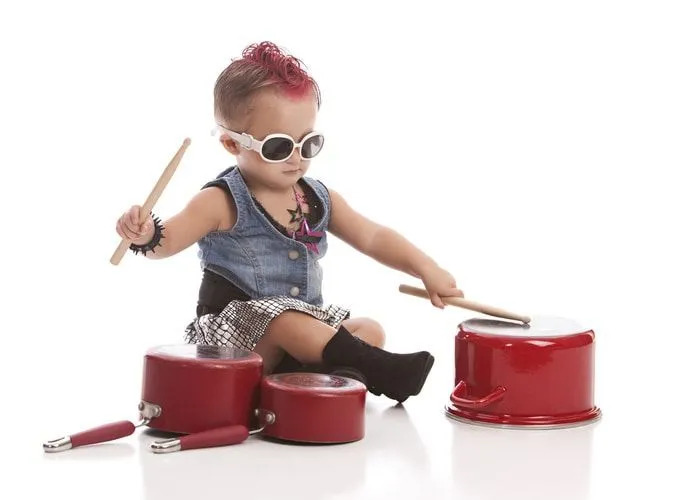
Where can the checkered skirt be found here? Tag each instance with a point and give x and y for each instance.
(243, 323)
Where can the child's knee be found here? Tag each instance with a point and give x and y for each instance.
(372, 332)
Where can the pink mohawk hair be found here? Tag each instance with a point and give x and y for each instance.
(283, 69)
(262, 65)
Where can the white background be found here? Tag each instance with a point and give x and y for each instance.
(543, 152)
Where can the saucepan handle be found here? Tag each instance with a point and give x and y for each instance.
(100, 434)
(469, 402)
(221, 436)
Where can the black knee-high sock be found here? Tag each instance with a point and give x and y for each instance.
(398, 376)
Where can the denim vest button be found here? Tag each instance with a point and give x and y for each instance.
(294, 291)
(293, 254)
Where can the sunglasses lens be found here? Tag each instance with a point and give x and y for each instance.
(277, 148)
(312, 146)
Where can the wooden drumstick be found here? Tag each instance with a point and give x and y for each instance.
(152, 199)
(466, 304)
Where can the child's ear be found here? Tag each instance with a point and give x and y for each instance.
(230, 145)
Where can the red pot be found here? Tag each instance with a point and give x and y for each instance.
(199, 387)
(314, 408)
(536, 375)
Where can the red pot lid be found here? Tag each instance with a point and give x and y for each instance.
(540, 326)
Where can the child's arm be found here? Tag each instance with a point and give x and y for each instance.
(390, 248)
(209, 210)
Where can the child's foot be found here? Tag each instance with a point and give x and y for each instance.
(398, 376)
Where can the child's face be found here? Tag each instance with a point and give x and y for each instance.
(274, 113)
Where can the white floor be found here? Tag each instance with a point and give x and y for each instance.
(411, 452)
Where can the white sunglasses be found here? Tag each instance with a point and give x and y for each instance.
(276, 148)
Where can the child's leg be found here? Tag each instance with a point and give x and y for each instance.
(297, 333)
(304, 337)
(367, 329)
(364, 328)
(312, 341)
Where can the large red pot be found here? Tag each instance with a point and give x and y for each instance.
(199, 387)
(536, 375)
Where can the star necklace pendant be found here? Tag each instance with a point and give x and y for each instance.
(297, 214)
(304, 234)
(307, 236)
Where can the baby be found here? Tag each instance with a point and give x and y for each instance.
(262, 226)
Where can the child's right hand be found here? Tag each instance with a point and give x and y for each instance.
(128, 227)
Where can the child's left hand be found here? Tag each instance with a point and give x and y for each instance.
(439, 283)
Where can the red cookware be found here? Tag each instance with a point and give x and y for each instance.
(537, 375)
(301, 407)
(313, 407)
(212, 393)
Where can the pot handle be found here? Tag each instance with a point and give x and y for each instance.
(107, 432)
(468, 402)
(99, 434)
(221, 436)
(231, 434)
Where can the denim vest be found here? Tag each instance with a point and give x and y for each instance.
(260, 260)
